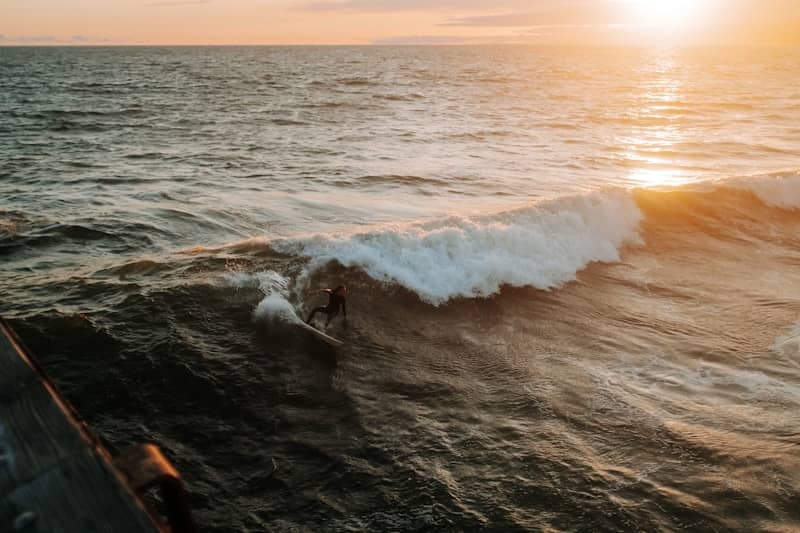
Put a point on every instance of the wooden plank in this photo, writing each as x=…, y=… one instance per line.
x=79, y=495
x=54, y=476
x=35, y=435
x=15, y=373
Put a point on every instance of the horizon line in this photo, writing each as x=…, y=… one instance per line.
x=405, y=45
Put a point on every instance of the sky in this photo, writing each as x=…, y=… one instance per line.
x=218, y=22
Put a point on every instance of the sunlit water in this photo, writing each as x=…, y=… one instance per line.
x=575, y=294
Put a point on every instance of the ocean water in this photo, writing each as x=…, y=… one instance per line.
x=574, y=278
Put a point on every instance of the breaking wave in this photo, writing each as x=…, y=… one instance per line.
x=776, y=190
x=542, y=246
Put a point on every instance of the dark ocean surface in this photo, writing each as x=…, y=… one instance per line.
x=574, y=278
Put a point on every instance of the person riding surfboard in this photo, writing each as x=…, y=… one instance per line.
x=336, y=300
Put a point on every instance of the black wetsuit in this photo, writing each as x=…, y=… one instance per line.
x=335, y=302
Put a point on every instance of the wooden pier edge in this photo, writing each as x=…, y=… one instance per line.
x=55, y=474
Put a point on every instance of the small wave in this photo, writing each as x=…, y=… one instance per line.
x=564, y=125
x=65, y=126
x=481, y=135
x=776, y=190
x=143, y=267
x=504, y=80
x=76, y=232
x=398, y=180
x=84, y=164
x=324, y=105
x=398, y=97
x=287, y=122
x=144, y=155
x=543, y=246
x=83, y=113
x=357, y=81
x=252, y=245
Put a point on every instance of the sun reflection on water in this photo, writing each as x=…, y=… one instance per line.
x=652, y=149
x=651, y=178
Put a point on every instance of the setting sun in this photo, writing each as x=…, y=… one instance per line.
x=673, y=14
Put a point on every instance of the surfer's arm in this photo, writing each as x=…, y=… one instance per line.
x=344, y=307
x=328, y=291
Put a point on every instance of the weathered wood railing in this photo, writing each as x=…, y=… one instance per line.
x=54, y=473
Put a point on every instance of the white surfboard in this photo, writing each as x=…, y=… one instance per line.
x=319, y=334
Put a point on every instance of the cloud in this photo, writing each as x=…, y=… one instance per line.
x=49, y=39
x=32, y=39
x=416, y=5
x=173, y=3
x=509, y=20
x=575, y=14
x=424, y=39
x=402, y=40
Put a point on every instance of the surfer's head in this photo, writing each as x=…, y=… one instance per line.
x=341, y=290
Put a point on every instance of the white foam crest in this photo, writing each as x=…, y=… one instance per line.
x=542, y=246
x=268, y=281
x=275, y=305
x=239, y=280
x=271, y=282
x=782, y=191
x=789, y=345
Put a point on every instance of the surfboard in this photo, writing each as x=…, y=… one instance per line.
x=319, y=334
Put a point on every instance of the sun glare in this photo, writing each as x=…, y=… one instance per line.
x=668, y=14
x=655, y=179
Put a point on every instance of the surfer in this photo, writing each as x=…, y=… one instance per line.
x=336, y=300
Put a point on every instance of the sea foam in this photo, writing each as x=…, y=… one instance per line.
x=543, y=246
x=788, y=345
x=275, y=304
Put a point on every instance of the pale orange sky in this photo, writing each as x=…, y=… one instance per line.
x=200, y=22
